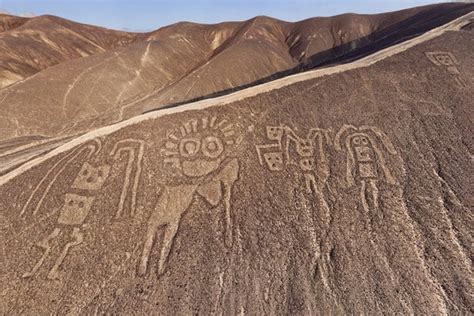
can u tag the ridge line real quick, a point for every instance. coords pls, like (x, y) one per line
(454, 25)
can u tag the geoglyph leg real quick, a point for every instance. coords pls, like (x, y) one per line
(312, 187)
(363, 189)
(230, 174)
(78, 238)
(47, 249)
(375, 192)
(170, 233)
(173, 202)
(152, 229)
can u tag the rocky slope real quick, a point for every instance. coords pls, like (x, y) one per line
(8, 22)
(29, 45)
(344, 190)
(188, 61)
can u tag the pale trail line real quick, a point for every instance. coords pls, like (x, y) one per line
(451, 231)
(33, 144)
(87, 40)
(71, 85)
(143, 60)
(12, 161)
(455, 25)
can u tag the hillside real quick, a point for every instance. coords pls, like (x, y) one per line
(340, 190)
(8, 22)
(189, 61)
(29, 45)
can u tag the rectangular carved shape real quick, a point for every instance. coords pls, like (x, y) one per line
(367, 170)
(91, 178)
(75, 209)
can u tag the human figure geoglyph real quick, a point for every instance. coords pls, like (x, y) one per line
(365, 161)
(72, 215)
(198, 154)
(448, 61)
(78, 203)
(306, 153)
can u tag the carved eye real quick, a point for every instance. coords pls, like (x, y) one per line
(212, 147)
(81, 204)
(70, 203)
(364, 140)
(100, 173)
(85, 172)
(356, 140)
(445, 60)
(189, 147)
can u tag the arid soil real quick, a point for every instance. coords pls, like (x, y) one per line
(122, 75)
(29, 45)
(346, 190)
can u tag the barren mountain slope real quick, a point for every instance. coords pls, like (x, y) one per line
(292, 47)
(187, 61)
(30, 45)
(349, 192)
(8, 22)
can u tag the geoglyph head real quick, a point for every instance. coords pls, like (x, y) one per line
(442, 58)
(366, 148)
(198, 147)
(90, 177)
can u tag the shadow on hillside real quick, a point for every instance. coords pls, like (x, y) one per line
(400, 32)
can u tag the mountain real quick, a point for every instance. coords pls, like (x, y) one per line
(29, 45)
(345, 189)
(8, 22)
(188, 61)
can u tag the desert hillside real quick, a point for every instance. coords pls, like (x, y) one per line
(123, 75)
(175, 64)
(321, 167)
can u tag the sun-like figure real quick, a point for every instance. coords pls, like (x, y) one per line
(198, 147)
(197, 161)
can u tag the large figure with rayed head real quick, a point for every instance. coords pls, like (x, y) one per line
(196, 159)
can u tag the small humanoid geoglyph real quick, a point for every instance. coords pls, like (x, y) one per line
(72, 216)
(198, 154)
(78, 203)
(448, 61)
(365, 164)
(44, 186)
(306, 153)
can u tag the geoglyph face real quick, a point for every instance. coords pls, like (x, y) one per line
(91, 177)
(75, 209)
(364, 156)
(197, 148)
(445, 59)
(210, 146)
(360, 140)
(362, 148)
(442, 58)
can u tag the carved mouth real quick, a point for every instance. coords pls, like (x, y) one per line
(199, 167)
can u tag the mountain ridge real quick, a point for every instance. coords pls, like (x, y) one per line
(187, 62)
(456, 25)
